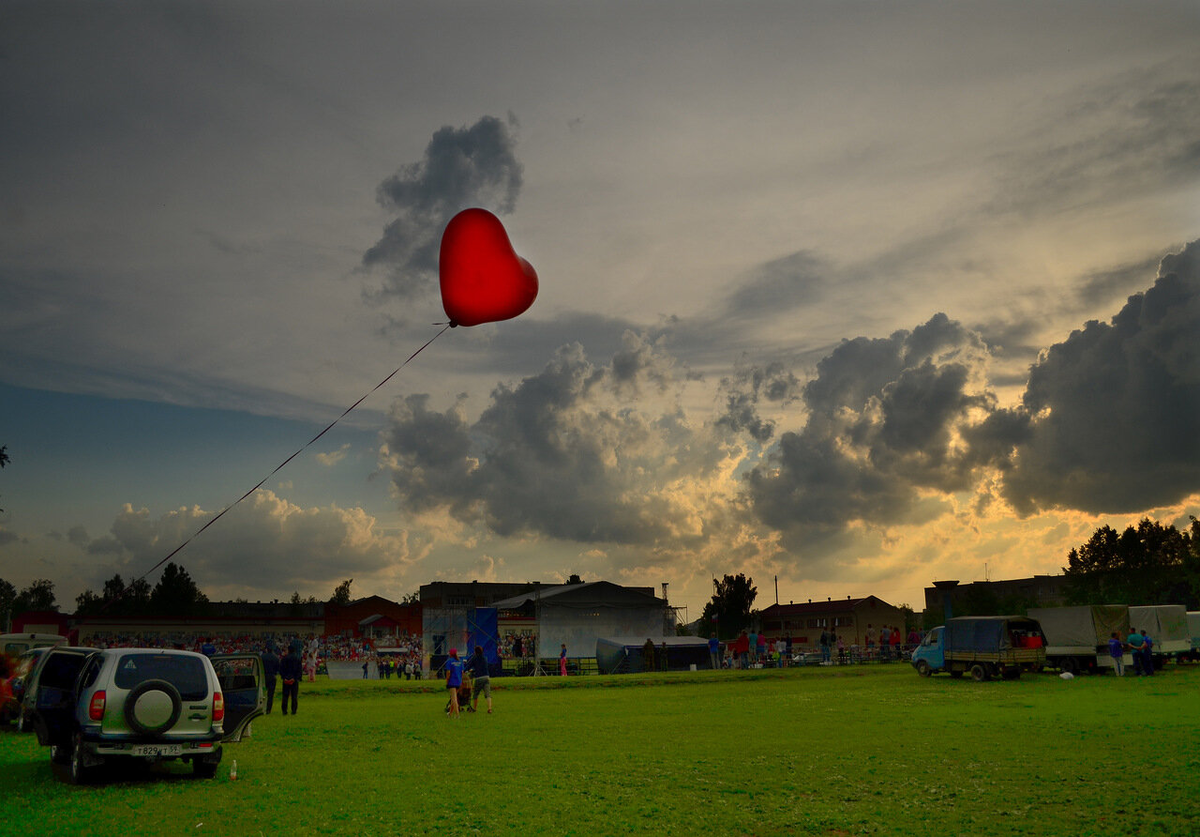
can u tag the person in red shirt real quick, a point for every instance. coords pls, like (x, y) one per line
(741, 650)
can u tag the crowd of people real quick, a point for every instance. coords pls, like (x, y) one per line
(754, 649)
(404, 653)
(1139, 645)
(518, 645)
(311, 651)
(402, 667)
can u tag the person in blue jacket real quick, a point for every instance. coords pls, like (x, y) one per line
(454, 675)
(1147, 655)
(1117, 651)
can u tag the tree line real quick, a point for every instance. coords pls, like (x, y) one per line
(1146, 564)
(175, 593)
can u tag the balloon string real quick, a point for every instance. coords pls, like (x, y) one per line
(278, 467)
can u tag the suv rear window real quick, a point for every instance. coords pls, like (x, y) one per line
(184, 673)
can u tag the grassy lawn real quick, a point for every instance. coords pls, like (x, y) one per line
(861, 750)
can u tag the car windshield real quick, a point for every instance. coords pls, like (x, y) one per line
(184, 673)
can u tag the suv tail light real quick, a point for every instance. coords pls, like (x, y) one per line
(96, 707)
(218, 707)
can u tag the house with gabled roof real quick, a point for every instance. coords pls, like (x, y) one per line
(849, 618)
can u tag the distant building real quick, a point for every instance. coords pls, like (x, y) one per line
(448, 612)
(849, 618)
(994, 598)
(578, 615)
(471, 593)
(41, 622)
(371, 617)
(540, 617)
(221, 620)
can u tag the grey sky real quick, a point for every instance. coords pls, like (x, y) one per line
(742, 215)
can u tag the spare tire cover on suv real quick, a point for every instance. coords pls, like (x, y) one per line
(152, 707)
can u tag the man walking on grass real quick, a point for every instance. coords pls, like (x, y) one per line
(291, 672)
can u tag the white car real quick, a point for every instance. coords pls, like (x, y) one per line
(93, 707)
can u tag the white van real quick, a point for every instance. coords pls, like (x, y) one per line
(17, 644)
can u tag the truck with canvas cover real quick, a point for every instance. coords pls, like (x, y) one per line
(1168, 628)
(1193, 619)
(985, 646)
(1077, 637)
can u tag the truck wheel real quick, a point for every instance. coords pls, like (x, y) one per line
(1069, 664)
(923, 668)
(979, 673)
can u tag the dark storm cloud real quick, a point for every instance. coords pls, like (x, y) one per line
(886, 418)
(434, 452)
(1018, 339)
(859, 369)
(779, 286)
(745, 391)
(565, 453)
(462, 167)
(78, 536)
(1115, 284)
(1112, 409)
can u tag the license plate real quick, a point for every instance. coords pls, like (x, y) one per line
(157, 749)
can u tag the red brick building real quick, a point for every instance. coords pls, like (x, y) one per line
(373, 616)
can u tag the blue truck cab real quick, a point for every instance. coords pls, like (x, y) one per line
(985, 646)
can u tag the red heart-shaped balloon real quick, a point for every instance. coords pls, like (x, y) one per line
(483, 279)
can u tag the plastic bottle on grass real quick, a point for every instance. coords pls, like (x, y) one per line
(233, 770)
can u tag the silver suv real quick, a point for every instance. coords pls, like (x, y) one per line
(91, 706)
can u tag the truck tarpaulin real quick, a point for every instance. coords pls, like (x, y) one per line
(1085, 626)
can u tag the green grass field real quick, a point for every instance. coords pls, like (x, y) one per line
(861, 750)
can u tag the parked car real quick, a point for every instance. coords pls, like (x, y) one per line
(94, 706)
(14, 686)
